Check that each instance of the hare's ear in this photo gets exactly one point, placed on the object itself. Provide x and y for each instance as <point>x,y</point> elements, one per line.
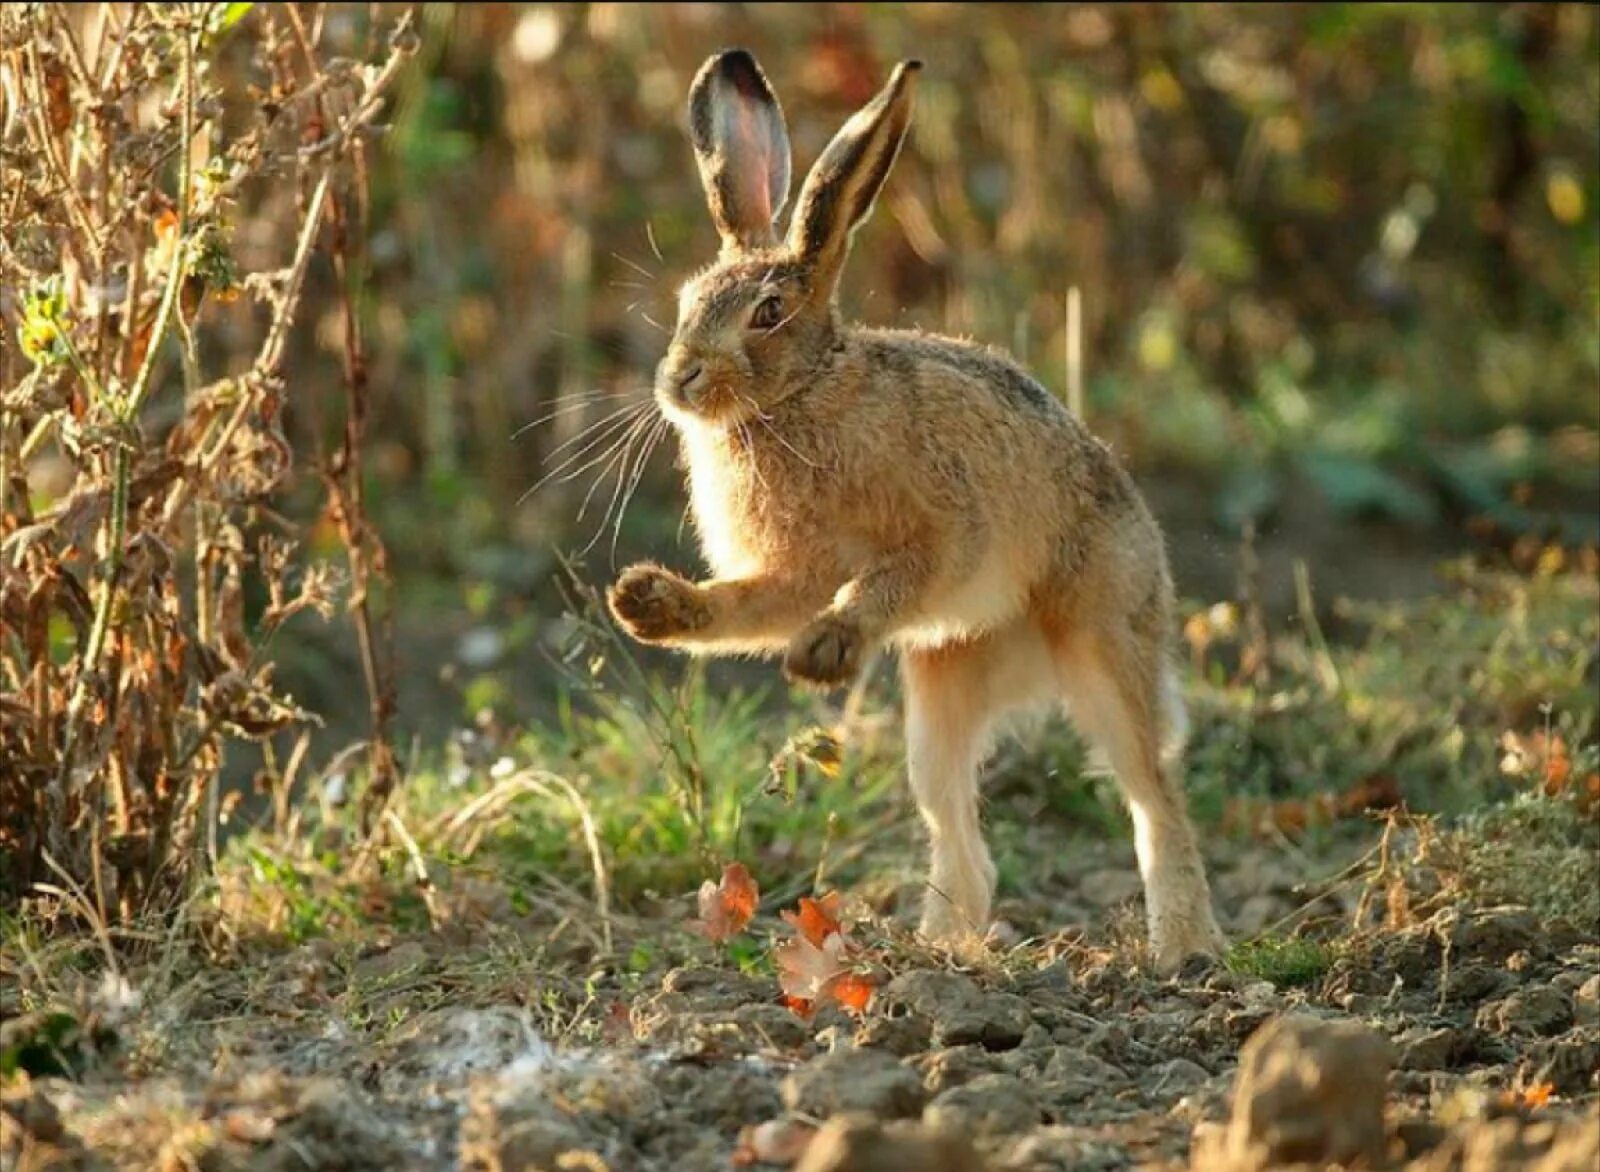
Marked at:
<point>840,190</point>
<point>736,128</point>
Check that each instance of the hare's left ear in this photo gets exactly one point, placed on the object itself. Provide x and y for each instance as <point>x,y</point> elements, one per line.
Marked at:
<point>840,190</point>
<point>740,143</point>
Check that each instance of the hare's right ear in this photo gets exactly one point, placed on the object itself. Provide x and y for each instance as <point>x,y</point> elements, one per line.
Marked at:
<point>839,192</point>
<point>737,130</point>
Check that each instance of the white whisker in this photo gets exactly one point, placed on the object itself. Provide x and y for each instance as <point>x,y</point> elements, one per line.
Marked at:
<point>570,404</point>
<point>638,268</point>
<point>651,439</point>
<point>610,430</point>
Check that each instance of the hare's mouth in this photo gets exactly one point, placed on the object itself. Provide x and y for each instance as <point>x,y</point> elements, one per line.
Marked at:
<point>705,399</point>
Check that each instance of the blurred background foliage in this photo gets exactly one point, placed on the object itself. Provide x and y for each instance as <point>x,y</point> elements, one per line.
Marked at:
<point>1339,271</point>
<point>1351,250</point>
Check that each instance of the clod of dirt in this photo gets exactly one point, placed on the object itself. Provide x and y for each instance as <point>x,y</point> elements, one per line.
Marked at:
<point>902,1036</point>
<point>514,1133</point>
<point>1062,1149</point>
<point>747,1028</point>
<point>1569,1063</point>
<point>1586,1001</point>
<point>960,1012</point>
<point>319,1123</point>
<point>991,1106</point>
<point>866,1081</point>
<point>32,1134</point>
<point>1498,932</point>
<point>1071,1075</point>
<point>1308,1091</point>
<point>1536,1009</point>
<point>1424,1049</point>
<point>859,1143</point>
<point>1564,1145</point>
<point>943,1069</point>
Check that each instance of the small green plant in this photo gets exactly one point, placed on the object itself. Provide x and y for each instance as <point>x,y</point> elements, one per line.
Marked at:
<point>1286,961</point>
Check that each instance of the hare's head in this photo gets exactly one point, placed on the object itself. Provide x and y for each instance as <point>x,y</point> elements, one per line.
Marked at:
<point>756,321</point>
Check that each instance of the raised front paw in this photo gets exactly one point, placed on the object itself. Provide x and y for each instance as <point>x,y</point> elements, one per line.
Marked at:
<point>827,653</point>
<point>655,605</point>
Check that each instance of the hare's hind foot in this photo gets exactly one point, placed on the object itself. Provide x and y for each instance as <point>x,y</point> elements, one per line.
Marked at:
<point>1175,938</point>
<point>654,605</point>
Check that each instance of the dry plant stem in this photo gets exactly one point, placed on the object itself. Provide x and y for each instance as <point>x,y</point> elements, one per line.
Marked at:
<point>127,412</point>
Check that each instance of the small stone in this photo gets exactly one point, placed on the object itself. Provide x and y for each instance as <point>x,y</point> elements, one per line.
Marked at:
<point>1176,1076</point>
<point>1425,1049</point>
<point>1586,1002</point>
<point>1064,1149</point>
<point>990,1106</point>
<point>1570,1063</point>
<point>1073,1075</point>
<point>1537,1009</point>
<point>943,1069</point>
<point>1308,1091</point>
<point>960,1012</point>
<point>858,1143</point>
<point>867,1081</point>
<point>901,1036</point>
<point>1497,933</point>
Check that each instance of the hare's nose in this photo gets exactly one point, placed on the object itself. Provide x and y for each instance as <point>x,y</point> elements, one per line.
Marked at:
<point>688,379</point>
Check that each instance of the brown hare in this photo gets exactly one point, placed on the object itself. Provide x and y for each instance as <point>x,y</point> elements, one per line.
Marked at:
<point>855,488</point>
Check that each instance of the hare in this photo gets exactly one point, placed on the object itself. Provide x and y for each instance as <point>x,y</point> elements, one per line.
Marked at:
<point>855,488</point>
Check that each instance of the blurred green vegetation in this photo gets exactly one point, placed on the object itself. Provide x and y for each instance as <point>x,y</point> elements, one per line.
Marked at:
<point>1349,249</point>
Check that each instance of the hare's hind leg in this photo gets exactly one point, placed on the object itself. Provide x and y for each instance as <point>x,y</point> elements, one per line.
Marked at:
<point>954,695</point>
<point>1115,680</point>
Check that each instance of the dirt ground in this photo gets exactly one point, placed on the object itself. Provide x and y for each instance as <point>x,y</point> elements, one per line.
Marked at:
<point>1467,1040</point>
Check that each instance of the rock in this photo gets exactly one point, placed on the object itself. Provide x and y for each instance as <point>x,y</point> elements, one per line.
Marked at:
<point>943,1069</point>
<point>1063,1149</point>
<point>901,1036</point>
<point>959,1011</point>
<point>865,1081</point>
<point>1308,1091</point>
<point>1425,1049</point>
<point>1540,1145</point>
<point>1072,1075</point>
<point>1542,1010</point>
<point>1586,1000</point>
<point>990,1106</point>
<point>1474,983</point>
<point>1569,1062</point>
<point>858,1143</point>
<point>332,1126</point>
<point>1176,1077</point>
<point>749,1027</point>
<point>1496,933</point>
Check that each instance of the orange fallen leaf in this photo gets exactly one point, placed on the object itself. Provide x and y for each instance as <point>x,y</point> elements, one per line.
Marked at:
<point>852,991</point>
<point>817,918</point>
<point>1538,1095</point>
<point>726,908</point>
<point>806,969</point>
<point>816,966</point>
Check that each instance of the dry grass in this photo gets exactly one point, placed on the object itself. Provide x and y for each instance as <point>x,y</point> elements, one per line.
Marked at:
<point>146,397</point>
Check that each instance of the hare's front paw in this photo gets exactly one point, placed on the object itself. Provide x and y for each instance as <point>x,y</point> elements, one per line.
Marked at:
<point>828,652</point>
<point>654,605</point>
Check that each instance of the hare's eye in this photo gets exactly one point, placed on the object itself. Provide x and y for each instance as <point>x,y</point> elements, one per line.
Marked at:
<point>768,313</point>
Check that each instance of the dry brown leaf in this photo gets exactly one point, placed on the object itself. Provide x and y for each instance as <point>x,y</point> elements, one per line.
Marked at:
<point>726,908</point>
